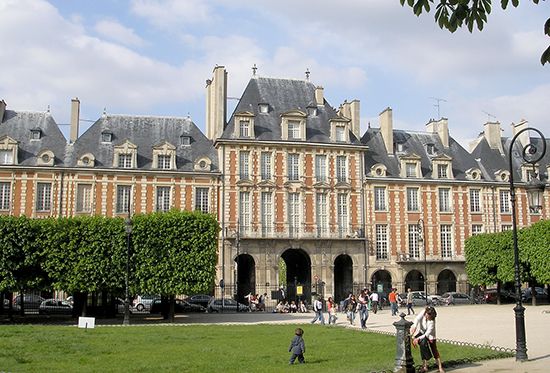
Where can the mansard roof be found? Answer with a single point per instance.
(19, 124)
(145, 132)
(284, 96)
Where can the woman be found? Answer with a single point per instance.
(423, 330)
(351, 309)
(331, 307)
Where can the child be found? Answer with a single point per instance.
(297, 347)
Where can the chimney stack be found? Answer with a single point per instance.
(75, 119)
(524, 137)
(2, 110)
(441, 127)
(319, 97)
(386, 129)
(216, 103)
(492, 133)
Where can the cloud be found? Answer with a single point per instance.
(115, 31)
(170, 14)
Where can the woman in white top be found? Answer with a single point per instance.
(423, 330)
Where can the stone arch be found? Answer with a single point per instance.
(381, 281)
(246, 276)
(446, 281)
(298, 274)
(415, 280)
(343, 277)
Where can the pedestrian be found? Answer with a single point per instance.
(331, 308)
(261, 305)
(297, 347)
(374, 301)
(318, 309)
(362, 306)
(423, 330)
(410, 302)
(392, 297)
(351, 309)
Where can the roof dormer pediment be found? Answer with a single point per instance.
(294, 113)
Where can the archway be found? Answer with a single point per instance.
(343, 277)
(415, 281)
(246, 276)
(298, 274)
(446, 281)
(381, 282)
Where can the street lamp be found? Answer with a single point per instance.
(534, 189)
(128, 227)
(420, 226)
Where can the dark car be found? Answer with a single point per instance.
(181, 306)
(31, 302)
(490, 296)
(540, 294)
(201, 299)
(55, 307)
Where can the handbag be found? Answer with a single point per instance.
(425, 349)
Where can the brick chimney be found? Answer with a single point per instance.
(2, 109)
(216, 103)
(386, 129)
(75, 119)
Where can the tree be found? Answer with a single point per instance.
(453, 14)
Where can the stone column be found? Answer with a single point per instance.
(404, 362)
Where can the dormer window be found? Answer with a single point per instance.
(263, 108)
(8, 150)
(410, 169)
(244, 128)
(339, 130)
(244, 125)
(410, 166)
(125, 155)
(45, 158)
(36, 134)
(294, 132)
(430, 149)
(399, 147)
(340, 133)
(203, 164)
(442, 167)
(185, 140)
(106, 137)
(442, 171)
(164, 156)
(293, 125)
(473, 174)
(87, 160)
(125, 160)
(312, 111)
(378, 170)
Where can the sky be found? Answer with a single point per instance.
(152, 57)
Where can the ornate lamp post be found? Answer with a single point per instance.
(128, 226)
(422, 241)
(534, 189)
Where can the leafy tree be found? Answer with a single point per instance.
(453, 14)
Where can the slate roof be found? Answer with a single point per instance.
(18, 126)
(283, 95)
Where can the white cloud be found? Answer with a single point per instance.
(170, 14)
(113, 30)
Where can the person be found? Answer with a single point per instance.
(261, 302)
(302, 308)
(297, 347)
(374, 301)
(331, 307)
(423, 330)
(318, 309)
(392, 297)
(293, 307)
(351, 308)
(362, 306)
(410, 302)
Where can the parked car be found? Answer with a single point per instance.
(55, 307)
(31, 302)
(540, 294)
(143, 302)
(453, 297)
(181, 306)
(200, 299)
(419, 299)
(435, 300)
(226, 305)
(490, 296)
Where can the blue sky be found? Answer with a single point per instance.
(152, 57)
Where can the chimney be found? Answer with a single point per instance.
(441, 127)
(386, 128)
(75, 119)
(524, 137)
(355, 109)
(216, 103)
(2, 110)
(319, 98)
(492, 133)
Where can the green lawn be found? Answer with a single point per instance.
(198, 348)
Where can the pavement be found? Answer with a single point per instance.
(481, 324)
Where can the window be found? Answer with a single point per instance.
(185, 140)
(341, 169)
(504, 201)
(475, 205)
(412, 199)
(244, 128)
(106, 137)
(163, 198)
(410, 169)
(123, 198)
(267, 213)
(414, 242)
(342, 214)
(477, 229)
(444, 200)
(43, 197)
(430, 149)
(294, 130)
(201, 199)
(36, 134)
(293, 167)
(293, 214)
(244, 159)
(379, 198)
(442, 171)
(163, 162)
(244, 212)
(312, 111)
(84, 198)
(340, 134)
(321, 212)
(264, 108)
(381, 242)
(125, 160)
(505, 227)
(5, 196)
(321, 168)
(265, 161)
(446, 241)
(6, 156)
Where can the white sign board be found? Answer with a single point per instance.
(86, 322)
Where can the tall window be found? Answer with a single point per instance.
(163, 161)
(294, 130)
(265, 160)
(410, 169)
(475, 205)
(6, 156)
(123, 198)
(442, 171)
(293, 214)
(244, 165)
(412, 199)
(244, 212)
(446, 241)
(321, 168)
(244, 128)
(414, 243)
(504, 201)
(341, 169)
(84, 198)
(379, 198)
(444, 200)
(5, 196)
(267, 213)
(340, 134)
(505, 227)
(125, 160)
(201, 199)
(43, 197)
(477, 229)
(381, 242)
(342, 214)
(321, 211)
(293, 167)
(163, 198)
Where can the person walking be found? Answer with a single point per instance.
(297, 347)
(351, 309)
(392, 297)
(423, 329)
(410, 302)
(318, 309)
(331, 308)
(362, 305)
(374, 301)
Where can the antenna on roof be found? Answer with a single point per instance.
(48, 110)
(489, 116)
(307, 74)
(437, 104)
(254, 68)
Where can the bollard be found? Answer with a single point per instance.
(404, 362)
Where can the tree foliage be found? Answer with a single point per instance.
(453, 14)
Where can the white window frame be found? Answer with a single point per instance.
(342, 214)
(244, 212)
(414, 242)
(164, 161)
(340, 133)
(294, 214)
(380, 198)
(504, 198)
(163, 198)
(410, 169)
(444, 199)
(412, 199)
(123, 198)
(475, 200)
(5, 196)
(244, 165)
(43, 197)
(266, 165)
(202, 197)
(84, 198)
(321, 168)
(446, 237)
(294, 130)
(266, 213)
(244, 128)
(6, 156)
(321, 214)
(341, 169)
(125, 160)
(382, 247)
(442, 171)
(477, 229)
(293, 167)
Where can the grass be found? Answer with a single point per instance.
(201, 348)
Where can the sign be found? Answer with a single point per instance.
(299, 290)
(86, 322)
(380, 288)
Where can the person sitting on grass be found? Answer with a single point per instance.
(297, 347)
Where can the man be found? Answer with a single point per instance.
(318, 309)
(363, 308)
(392, 297)
(410, 302)
(374, 301)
